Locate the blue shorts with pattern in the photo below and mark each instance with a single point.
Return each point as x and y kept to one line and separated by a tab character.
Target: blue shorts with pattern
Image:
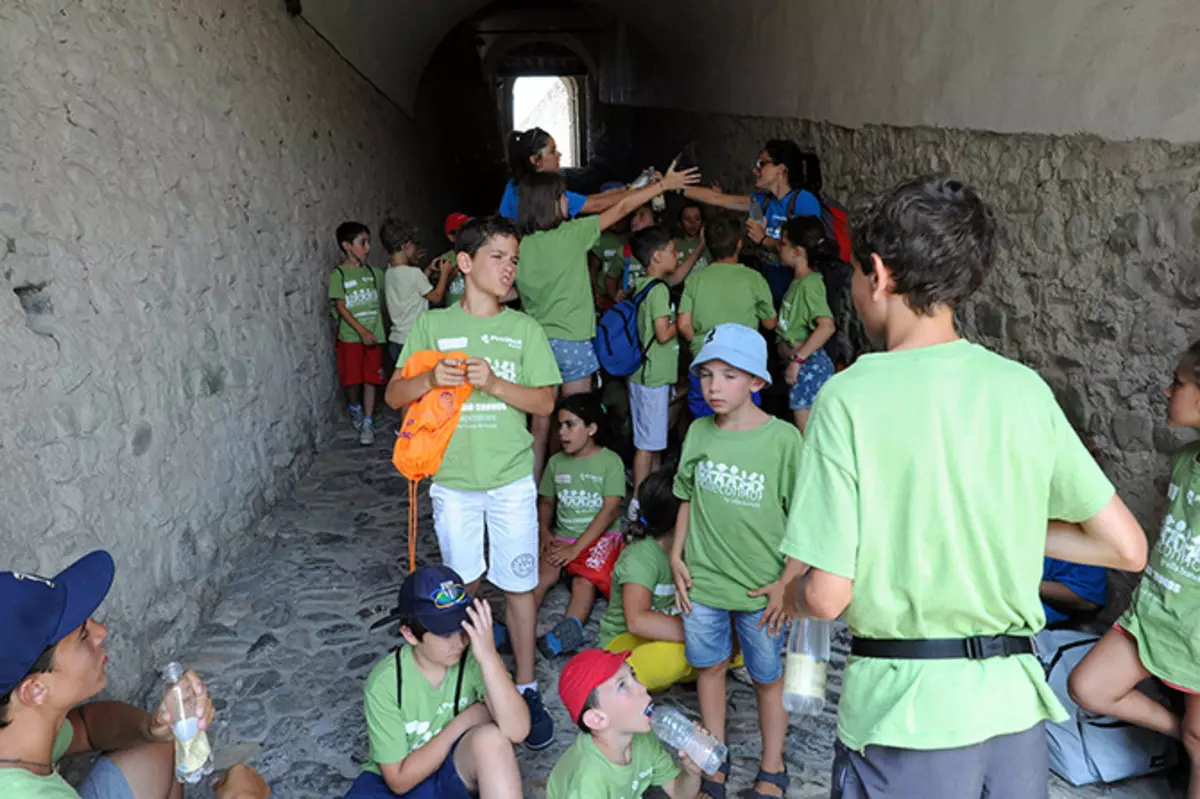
813	374
576	359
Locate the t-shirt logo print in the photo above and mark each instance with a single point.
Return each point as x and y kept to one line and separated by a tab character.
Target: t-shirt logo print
581	500
735	485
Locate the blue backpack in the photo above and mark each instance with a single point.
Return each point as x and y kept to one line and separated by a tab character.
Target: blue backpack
617	346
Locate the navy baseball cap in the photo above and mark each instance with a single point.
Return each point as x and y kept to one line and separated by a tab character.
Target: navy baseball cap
38	612
738	346
434	596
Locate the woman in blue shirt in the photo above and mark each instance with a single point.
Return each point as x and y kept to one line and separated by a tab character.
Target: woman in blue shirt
534	150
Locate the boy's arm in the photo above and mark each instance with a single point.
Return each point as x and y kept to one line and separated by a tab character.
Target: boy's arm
402	391
814	593
685	786
1111	538
506	706
368	338
546	507
436	294
769	324
665	329
537	400
683	325
685	268
679	569
403	776
643	621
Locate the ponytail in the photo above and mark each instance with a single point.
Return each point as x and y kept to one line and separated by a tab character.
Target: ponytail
523	145
808	233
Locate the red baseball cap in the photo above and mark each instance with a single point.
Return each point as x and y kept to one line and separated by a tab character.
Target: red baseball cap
583	674
455	221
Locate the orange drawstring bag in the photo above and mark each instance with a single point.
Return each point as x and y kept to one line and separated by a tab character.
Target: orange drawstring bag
429	424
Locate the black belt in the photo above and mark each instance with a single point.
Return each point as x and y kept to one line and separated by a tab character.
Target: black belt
978	648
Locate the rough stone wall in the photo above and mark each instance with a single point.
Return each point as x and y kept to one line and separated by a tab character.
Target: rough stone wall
1097	284
170	177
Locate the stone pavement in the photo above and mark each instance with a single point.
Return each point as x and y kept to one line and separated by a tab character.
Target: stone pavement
287	648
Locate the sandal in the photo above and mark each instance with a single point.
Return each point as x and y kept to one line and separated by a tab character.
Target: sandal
713	789
779	779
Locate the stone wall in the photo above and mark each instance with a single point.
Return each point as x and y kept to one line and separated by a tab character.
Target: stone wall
1098	280
170	177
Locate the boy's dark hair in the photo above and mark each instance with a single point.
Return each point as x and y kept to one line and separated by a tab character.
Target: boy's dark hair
394	234
936	235
523	145
722	236
480	230
590	409
648	241
415	627
538	202
589	704
808	233
43	664
658	506
347	232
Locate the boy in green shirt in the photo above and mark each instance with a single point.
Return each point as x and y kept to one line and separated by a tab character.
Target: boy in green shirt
486	474
930	473
616	756
448	260
442	713
736	477
356	293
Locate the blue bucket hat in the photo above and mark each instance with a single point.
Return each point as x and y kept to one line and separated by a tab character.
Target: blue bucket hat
738	346
434	596
37	612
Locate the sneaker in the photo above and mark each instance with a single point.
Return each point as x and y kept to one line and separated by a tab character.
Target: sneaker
634	511
742	675
356	417
564	639
541	726
366	433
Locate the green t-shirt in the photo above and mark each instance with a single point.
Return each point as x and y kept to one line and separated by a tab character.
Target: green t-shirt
584	772
457	286
740	484
491	446
610	249
642	563
722	293
661	365
928	477
579	487
685	247
554	282
362	289
1165	607
19	782
397	730
803	304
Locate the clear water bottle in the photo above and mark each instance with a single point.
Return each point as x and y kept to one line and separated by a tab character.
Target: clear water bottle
806	667
193	755
681	734
757	213
642	180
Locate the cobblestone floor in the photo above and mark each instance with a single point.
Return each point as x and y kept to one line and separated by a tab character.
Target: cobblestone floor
287	649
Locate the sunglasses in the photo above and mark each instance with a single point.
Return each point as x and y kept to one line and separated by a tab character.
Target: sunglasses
760	163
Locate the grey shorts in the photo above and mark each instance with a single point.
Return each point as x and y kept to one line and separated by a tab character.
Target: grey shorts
650	408
1005	767
105	781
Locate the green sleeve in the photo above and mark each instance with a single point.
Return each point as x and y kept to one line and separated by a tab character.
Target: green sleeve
337	284
1079	488
660	760
659	302
633	569
474	689
793	450
688	301
764	305
614	475
419	339
823	524
685	475
817	302
385	722
537	359
585	232
546	489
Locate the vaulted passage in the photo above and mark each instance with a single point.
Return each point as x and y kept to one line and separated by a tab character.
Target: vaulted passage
171	174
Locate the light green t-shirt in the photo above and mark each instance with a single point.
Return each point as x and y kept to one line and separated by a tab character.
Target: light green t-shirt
584	772
642	563
1165	607
491	446
928	477
722	293
554	282
740	484
661	364
19	782
395	730
685	247
579	487
457	286
610	249
362	289
405	288
803	304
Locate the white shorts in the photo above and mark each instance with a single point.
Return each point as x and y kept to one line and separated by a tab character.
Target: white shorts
650	408
509	514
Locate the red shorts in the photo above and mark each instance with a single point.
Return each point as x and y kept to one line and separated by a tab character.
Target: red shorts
595	564
1179	688
358	364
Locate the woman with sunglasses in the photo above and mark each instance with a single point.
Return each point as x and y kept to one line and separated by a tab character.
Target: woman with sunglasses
782	181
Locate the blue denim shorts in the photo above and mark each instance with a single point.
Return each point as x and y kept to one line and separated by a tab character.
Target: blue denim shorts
700	408
105	781
441	784
813	374
708	640
576	359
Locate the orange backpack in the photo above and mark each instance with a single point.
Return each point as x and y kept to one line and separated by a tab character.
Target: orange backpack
429	423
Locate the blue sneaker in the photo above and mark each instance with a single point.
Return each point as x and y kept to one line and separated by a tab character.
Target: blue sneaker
564	639
541	726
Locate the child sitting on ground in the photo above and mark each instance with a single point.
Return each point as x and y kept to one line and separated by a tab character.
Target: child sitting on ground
356	294
408	290
805	321
616	756
581	495
736	478
641	618
442	713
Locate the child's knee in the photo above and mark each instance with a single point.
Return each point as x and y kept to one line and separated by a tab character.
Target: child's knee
487	742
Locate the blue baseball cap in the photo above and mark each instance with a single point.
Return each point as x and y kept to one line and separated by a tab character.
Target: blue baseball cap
738	346
38	612
434	596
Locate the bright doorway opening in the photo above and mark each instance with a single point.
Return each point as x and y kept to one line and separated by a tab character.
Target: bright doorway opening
552	104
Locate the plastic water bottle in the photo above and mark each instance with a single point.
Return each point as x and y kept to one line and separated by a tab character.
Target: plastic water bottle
806	667
193	755
642	180
681	734
757	213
